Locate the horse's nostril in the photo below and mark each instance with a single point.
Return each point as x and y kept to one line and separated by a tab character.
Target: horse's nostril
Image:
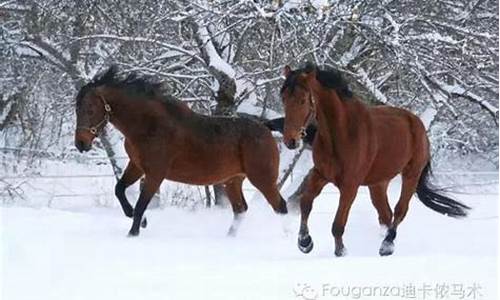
291	144
80	146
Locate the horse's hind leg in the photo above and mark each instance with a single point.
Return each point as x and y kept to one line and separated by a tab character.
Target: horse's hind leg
238	203
130	176
408	188
378	195
269	189
266	184
261	165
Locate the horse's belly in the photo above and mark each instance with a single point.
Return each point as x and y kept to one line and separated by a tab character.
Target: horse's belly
390	160
201	178
380	173
203	169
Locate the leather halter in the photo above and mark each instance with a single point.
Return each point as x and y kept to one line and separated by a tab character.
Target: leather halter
310	116
96	129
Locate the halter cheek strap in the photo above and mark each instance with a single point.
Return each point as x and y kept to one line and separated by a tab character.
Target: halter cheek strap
310	115
96	129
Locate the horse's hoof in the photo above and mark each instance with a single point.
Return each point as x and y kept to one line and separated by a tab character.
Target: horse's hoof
340	252
386	249
129	213
282	209
144	222
133	233
231	232
305	244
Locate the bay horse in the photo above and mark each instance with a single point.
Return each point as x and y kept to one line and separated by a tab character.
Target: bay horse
358	145
165	139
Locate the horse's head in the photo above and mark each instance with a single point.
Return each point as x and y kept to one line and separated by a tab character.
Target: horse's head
92	110
298	103
92	114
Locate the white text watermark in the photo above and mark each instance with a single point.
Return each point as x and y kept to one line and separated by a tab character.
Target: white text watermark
421	291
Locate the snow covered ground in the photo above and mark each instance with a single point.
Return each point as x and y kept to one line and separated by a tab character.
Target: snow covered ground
84	253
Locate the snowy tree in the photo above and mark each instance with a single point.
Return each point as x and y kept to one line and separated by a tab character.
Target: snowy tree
225	56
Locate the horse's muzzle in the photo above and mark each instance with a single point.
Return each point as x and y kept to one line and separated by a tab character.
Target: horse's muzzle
292	144
82	146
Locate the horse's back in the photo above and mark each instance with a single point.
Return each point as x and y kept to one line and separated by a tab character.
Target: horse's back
388	119
395	117
233	128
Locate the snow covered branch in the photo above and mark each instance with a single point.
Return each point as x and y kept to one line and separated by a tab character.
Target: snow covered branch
219	68
139	40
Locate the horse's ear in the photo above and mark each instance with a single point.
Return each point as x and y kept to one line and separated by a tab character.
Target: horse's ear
286	71
309	66
107	76
310	71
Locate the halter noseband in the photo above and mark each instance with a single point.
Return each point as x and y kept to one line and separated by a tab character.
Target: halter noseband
310	116
96	129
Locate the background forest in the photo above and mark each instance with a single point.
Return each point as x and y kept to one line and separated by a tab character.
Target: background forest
437	58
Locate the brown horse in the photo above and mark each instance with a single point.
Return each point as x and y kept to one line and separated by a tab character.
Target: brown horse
358	145
166	140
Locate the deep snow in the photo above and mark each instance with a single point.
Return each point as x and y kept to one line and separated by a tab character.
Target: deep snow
84	253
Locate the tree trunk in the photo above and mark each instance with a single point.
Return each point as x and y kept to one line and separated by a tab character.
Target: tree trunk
225	95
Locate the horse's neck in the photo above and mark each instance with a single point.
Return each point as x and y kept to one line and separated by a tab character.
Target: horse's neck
124	113
332	118
129	115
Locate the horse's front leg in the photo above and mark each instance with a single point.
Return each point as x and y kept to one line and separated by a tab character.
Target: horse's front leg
347	194
314	185
130	176
151	185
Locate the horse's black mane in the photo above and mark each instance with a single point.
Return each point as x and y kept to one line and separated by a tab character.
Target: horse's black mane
329	78
143	86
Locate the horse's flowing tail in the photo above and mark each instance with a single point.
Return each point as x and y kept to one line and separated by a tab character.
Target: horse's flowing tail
437	202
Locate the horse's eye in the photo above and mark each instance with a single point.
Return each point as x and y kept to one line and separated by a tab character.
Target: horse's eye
301	98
